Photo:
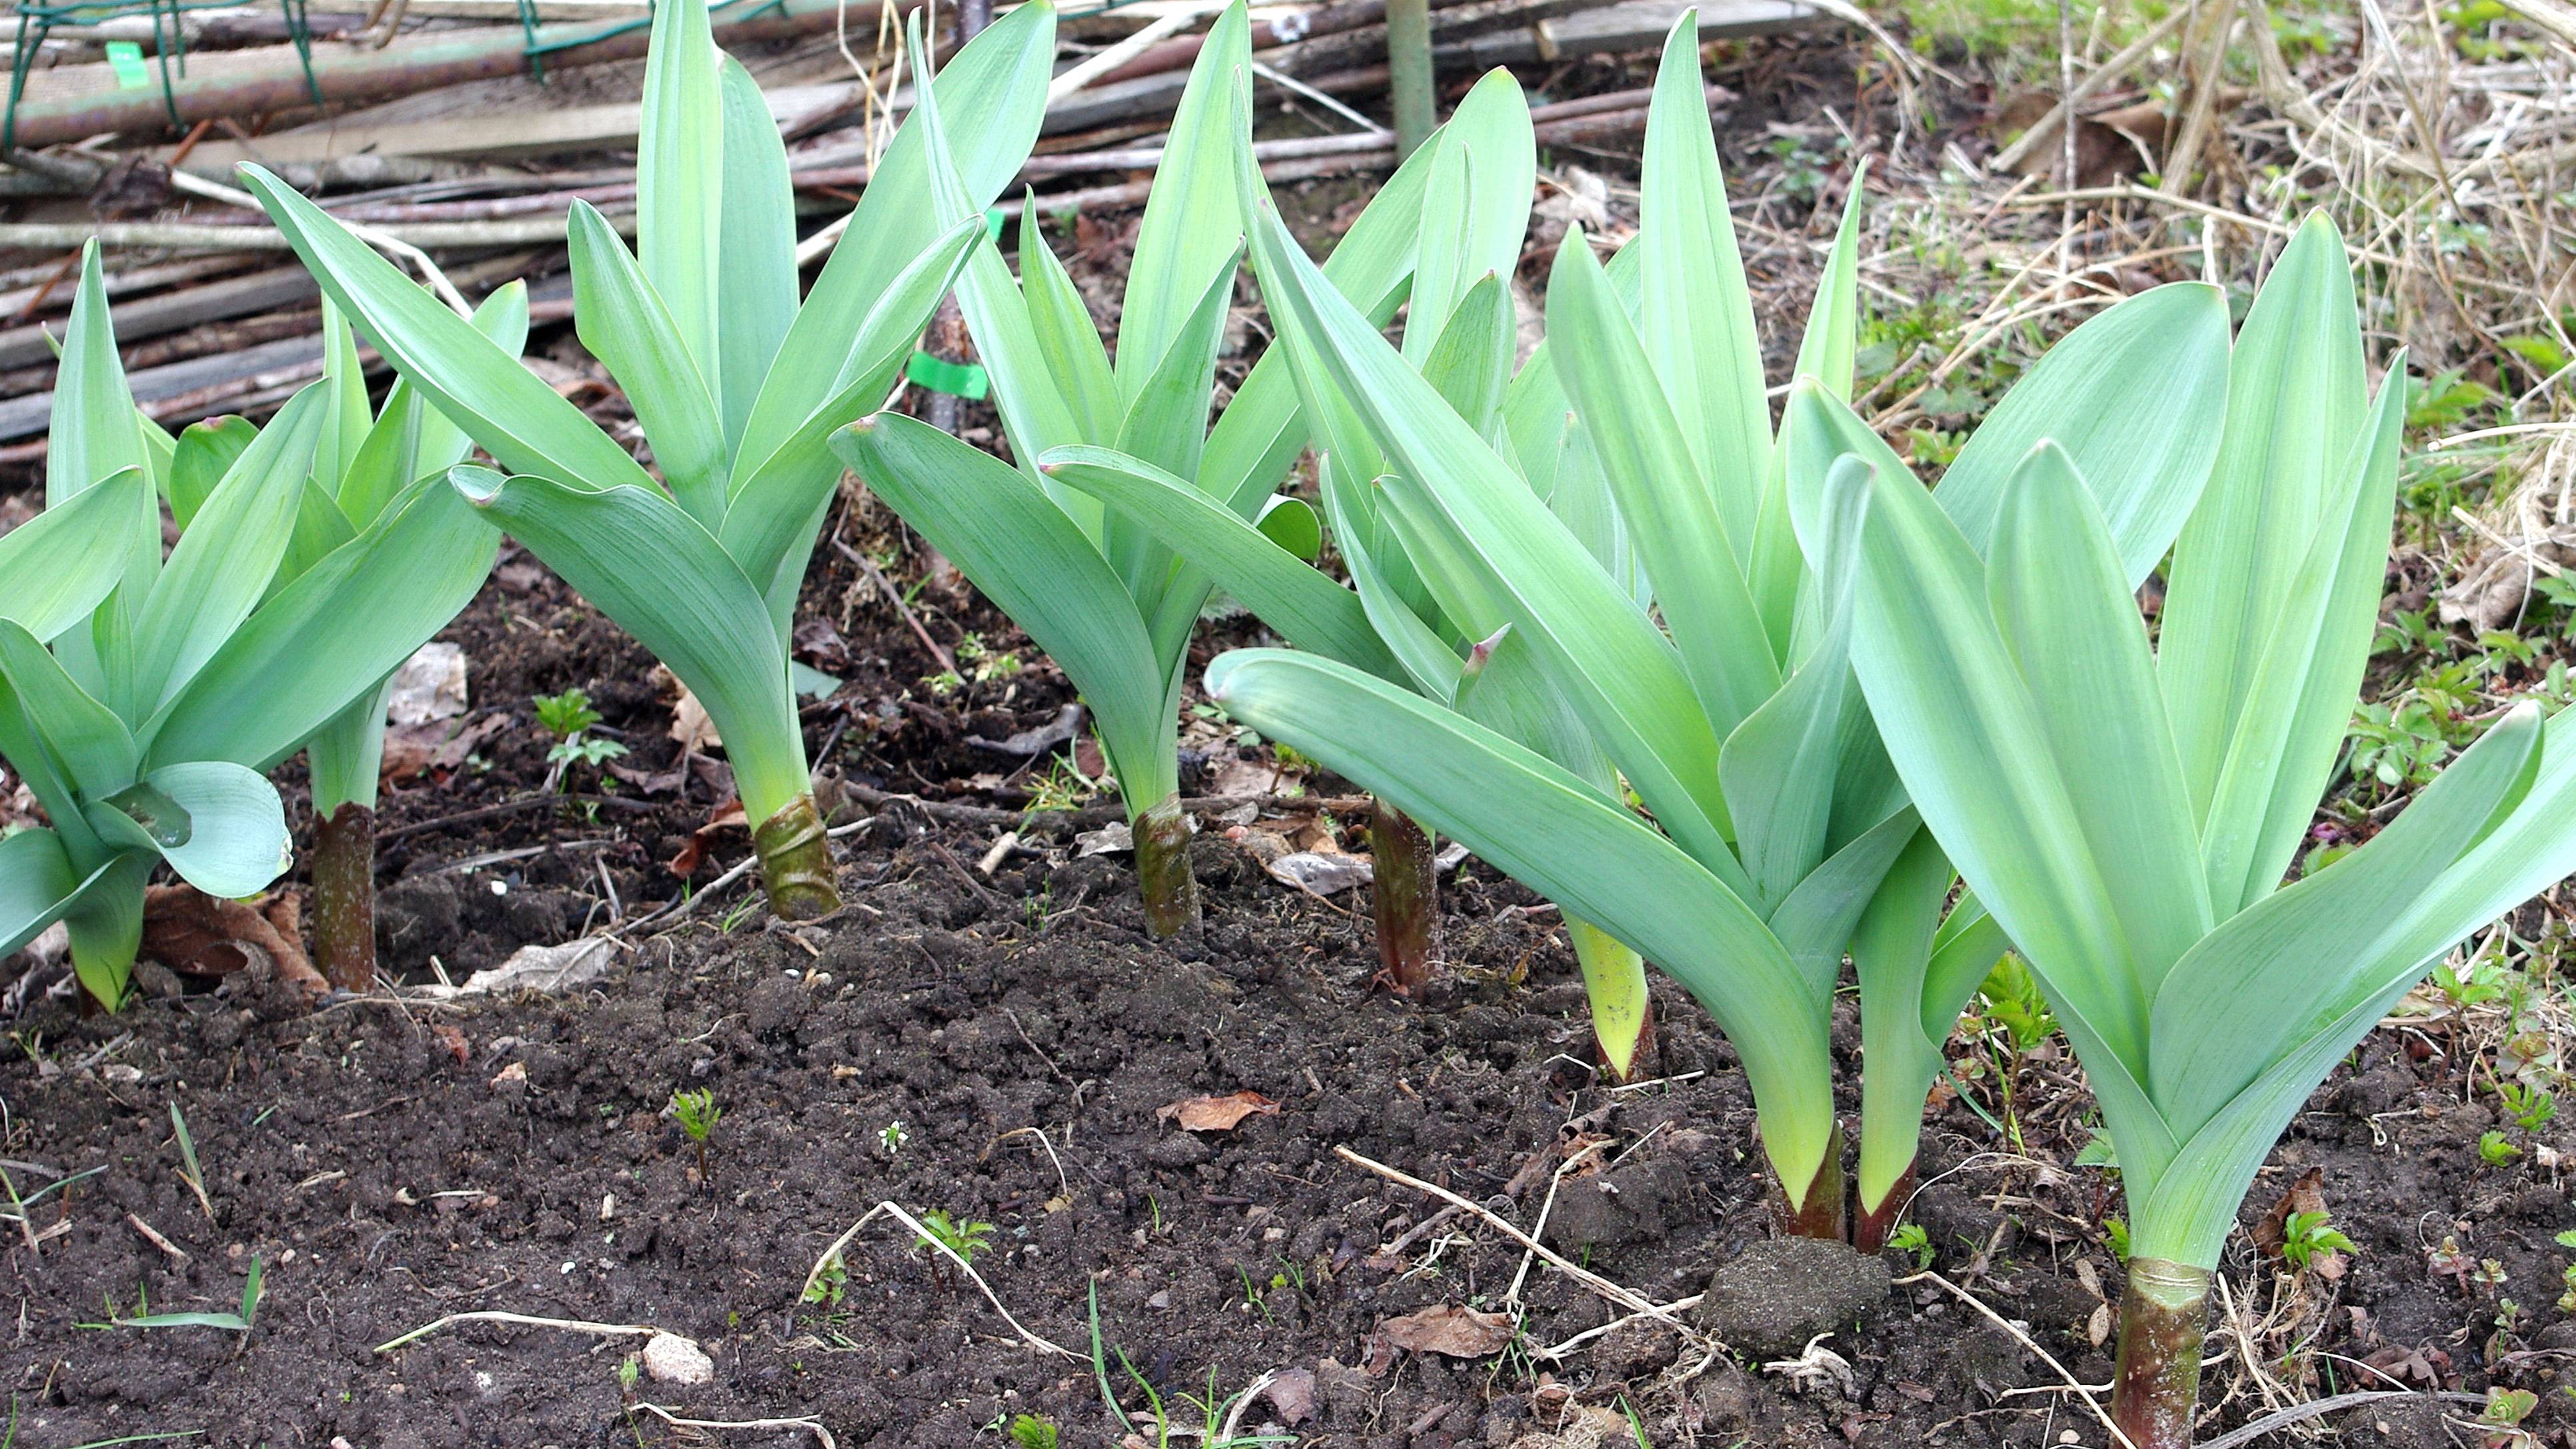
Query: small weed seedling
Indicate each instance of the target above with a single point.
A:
(2497, 1149)
(568, 717)
(190, 1174)
(1911, 1240)
(967, 1240)
(829, 1285)
(2502, 1419)
(2567, 1300)
(1028, 1431)
(2531, 1108)
(698, 1114)
(2306, 1237)
(239, 1321)
(893, 1137)
(1636, 1425)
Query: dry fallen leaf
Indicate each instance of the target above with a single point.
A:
(198, 935)
(1319, 873)
(452, 1041)
(412, 750)
(2307, 1195)
(727, 816)
(546, 968)
(690, 725)
(1216, 1114)
(1292, 1393)
(1447, 1330)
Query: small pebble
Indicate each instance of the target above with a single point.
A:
(671, 1359)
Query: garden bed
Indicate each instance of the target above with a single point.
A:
(396, 1159)
(987, 1032)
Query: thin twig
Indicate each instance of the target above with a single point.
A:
(495, 1315)
(808, 1423)
(2283, 1418)
(2137, 50)
(153, 1236)
(830, 1254)
(1624, 1297)
(1557, 1353)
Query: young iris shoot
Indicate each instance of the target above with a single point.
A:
(1101, 594)
(1475, 176)
(142, 700)
(1139, 425)
(2128, 814)
(703, 565)
(361, 462)
(1627, 537)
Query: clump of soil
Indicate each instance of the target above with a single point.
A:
(1775, 1296)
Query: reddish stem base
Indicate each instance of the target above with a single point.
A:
(344, 897)
(1871, 1226)
(1822, 1214)
(796, 862)
(1405, 898)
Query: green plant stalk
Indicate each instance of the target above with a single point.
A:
(2156, 1387)
(1162, 836)
(1614, 982)
(702, 564)
(107, 931)
(1916, 972)
(1408, 60)
(1404, 898)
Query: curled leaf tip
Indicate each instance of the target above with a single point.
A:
(480, 485)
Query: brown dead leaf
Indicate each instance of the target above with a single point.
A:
(1447, 1330)
(2307, 1195)
(2110, 145)
(438, 745)
(198, 935)
(1292, 1393)
(690, 725)
(727, 816)
(1216, 1114)
(452, 1041)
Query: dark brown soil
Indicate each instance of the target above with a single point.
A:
(1000, 1049)
(393, 1163)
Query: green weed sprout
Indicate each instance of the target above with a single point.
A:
(568, 717)
(2305, 1236)
(239, 1321)
(697, 1113)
